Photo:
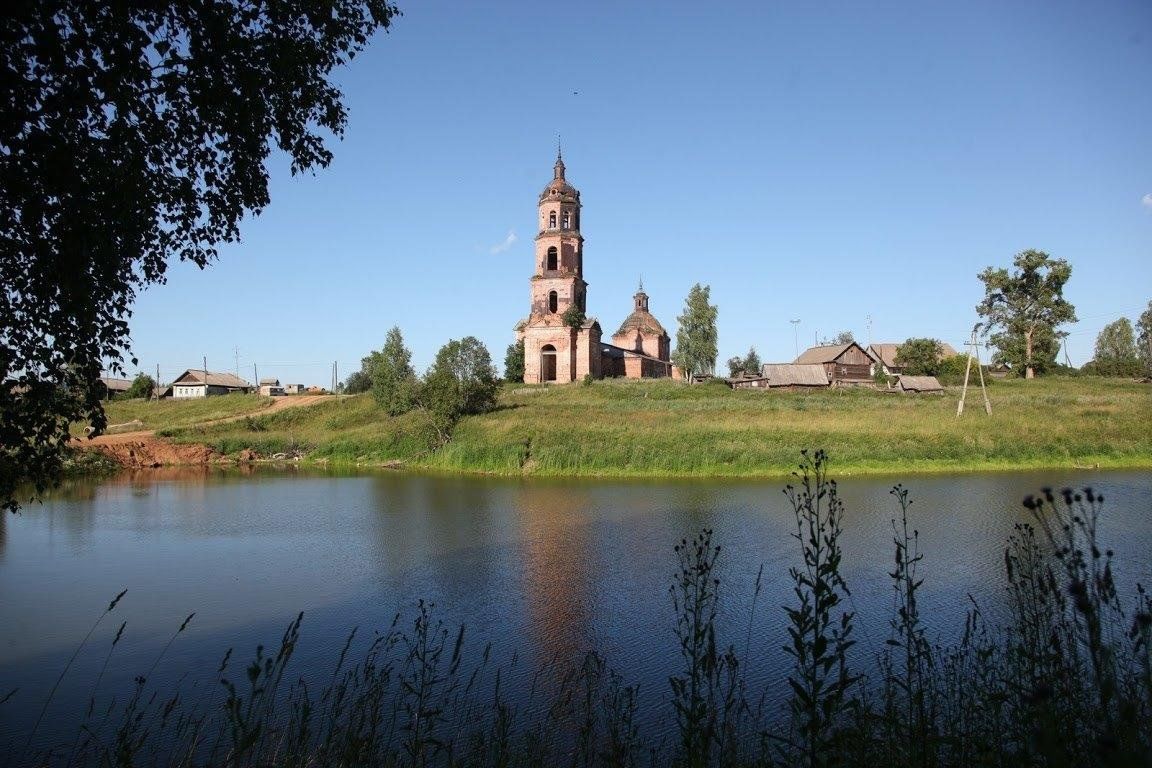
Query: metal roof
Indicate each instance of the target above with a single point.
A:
(196, 376)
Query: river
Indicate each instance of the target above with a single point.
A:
(544, 569)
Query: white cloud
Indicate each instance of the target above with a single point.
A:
(507, 243)
(1146, 201)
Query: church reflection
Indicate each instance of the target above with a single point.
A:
(559, 565)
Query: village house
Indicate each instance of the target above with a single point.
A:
(845, 364)
(114, 387)
(193, 383)
(561, 343)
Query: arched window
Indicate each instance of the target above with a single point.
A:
(552, 220)
(567, 219)
(552, 258)
(553, 301)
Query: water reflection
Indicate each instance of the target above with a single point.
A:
(546, 568)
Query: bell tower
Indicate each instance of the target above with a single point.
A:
(556, 350)
(558, 281)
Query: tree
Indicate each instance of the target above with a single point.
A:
(461, 381)
(1144, 339)
(394, 383)
(920, 357)
(696, 337)
(1026, 308)
(573, 317)
(752, 362)
(357, 382)
(1116, 353)
(735, 366)
(844, 337)
(133, 134)
(514, 362)
(142, 387)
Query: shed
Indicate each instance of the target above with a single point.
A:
(844, 363)
(271, 388)
(794, 375)
(919, 385)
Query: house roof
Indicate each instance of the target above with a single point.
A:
(794, 374)
(919, 384)
(116, 385)
(196, 376)
(825, 354)
(269, 382)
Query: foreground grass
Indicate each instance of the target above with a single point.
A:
(1067, 683)
(661, 428)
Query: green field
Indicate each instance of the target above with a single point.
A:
(661, 428)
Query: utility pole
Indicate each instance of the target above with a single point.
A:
(973, 350)
(236, 353)
(796, 336)
(868, 324)
(156, 388)
(255, 378)
(205, 375)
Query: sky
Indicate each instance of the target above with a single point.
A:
(849, 165)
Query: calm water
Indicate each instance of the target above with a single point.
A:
(544, 569)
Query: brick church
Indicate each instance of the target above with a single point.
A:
(561, 342)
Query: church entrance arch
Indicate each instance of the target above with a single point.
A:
(548, 363)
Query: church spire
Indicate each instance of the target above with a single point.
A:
(558, 169)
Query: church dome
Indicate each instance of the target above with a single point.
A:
(644, 321)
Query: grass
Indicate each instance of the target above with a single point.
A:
(174, 414)
(1068, 682)
(662, 428)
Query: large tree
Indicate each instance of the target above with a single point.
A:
(132, 134)
(1116, 350)
(461, 381)
(920, 357)
(1024, 309)
(696, 337)
(1144, 339)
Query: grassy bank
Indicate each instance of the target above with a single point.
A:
(1067, 682)
(174, 414)
(621, 428)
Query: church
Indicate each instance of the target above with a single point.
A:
(561, 342)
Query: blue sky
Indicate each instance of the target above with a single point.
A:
(821, 161)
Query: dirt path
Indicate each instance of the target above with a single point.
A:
(144, 449)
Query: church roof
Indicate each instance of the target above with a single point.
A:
(643, 321)
(559, 186)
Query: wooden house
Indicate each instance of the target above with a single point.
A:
(114, 387)
(845, 364)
